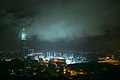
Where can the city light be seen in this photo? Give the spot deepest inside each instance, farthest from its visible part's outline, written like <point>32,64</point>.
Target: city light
<point>58,57</point>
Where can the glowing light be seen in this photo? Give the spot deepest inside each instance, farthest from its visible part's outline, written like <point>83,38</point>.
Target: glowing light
<point>23,37</point>
<point>58,57</point>
<point>8,59</point>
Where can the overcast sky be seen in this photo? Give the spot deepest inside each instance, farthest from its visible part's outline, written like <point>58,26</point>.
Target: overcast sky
<point>63,24</point>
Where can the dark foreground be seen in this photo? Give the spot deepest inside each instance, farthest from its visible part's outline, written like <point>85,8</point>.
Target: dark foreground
<point>21,70</point>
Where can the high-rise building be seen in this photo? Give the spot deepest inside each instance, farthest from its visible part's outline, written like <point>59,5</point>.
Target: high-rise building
<point>24,48</point>
<point>23,35</point>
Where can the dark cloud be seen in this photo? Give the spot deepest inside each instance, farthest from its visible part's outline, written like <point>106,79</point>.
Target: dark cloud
<point>62,23</point>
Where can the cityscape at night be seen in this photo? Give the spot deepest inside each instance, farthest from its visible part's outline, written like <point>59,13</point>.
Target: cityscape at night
<point>59,40</point>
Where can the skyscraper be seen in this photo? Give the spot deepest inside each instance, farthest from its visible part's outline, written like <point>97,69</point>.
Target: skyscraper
<point>23,35</point>
<point>24,48</point>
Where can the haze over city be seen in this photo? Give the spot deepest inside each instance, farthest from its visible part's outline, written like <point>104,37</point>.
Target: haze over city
<point>65,24</point>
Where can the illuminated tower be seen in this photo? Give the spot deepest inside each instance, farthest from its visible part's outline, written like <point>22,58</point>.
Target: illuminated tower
<point>23,35</point>
<point>23,40</point>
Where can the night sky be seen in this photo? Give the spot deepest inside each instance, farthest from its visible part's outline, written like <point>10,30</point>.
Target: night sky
<point>61,24</point>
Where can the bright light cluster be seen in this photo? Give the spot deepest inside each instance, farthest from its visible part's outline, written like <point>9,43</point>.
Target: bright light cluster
<point>69,58</point>
<point>23,37</point>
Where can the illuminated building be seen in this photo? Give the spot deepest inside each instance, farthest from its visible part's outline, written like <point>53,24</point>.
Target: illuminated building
<point>23,35</point>
<point>57,57</point>
<point>23,40</point>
